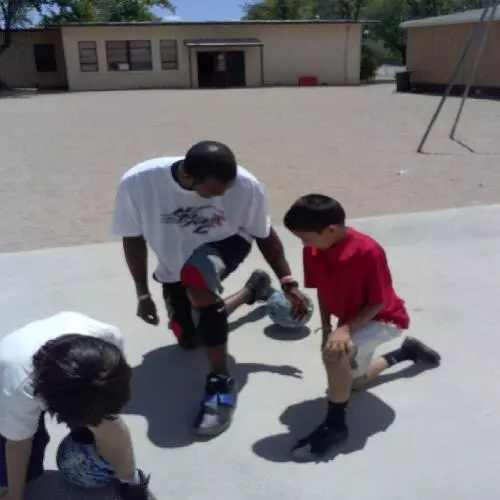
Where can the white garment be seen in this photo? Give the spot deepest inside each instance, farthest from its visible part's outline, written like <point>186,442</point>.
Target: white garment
<point>175,221</point>
<point>20,410</point>
<point>367,340</point>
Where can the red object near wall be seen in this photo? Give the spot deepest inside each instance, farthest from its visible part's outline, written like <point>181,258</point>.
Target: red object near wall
<point>308,81</point>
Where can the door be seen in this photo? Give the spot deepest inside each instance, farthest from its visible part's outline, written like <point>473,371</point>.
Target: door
<point>221,69</point>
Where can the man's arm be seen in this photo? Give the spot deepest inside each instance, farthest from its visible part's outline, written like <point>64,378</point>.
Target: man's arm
<point>136,255</point>
<point>274,253</point>
<point>17,454</point>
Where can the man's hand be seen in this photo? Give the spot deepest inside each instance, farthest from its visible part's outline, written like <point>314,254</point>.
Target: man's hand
<point>339,344</point>
<point>300,305</point>
<point>146,310</point>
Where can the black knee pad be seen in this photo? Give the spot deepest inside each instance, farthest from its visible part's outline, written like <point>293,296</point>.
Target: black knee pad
<point>212,324</point>
<point>179,310</point>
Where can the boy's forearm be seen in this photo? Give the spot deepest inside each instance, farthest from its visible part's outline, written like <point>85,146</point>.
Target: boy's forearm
<point>136,255</point>
<point>366,315</point>
<point>114,444</point>
<point>17,454</point>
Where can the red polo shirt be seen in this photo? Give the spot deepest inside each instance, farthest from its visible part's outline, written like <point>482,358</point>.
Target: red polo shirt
<point>352,275</point>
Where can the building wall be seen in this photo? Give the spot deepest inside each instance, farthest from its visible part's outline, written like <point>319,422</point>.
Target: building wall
<point>331,52</point>
<point>17,64</point>
<point>434,51</point>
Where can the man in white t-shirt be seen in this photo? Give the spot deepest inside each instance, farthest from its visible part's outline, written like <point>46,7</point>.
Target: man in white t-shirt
<point>200,214</point>
<point>71,367</point>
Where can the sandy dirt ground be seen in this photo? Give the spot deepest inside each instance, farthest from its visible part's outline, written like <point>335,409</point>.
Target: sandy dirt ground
<point>61,155</point>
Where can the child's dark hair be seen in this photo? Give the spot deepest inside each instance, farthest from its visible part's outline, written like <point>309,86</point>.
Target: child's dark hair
<point>83,380</point>
<point>314,212</point>
<point>210,159</point>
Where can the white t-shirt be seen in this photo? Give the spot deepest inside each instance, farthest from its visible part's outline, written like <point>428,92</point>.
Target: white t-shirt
<point>175,221</point>
<point>20,410</point>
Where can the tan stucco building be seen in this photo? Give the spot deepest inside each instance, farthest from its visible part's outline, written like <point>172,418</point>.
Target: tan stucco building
<point>435,45</point>
<point>185,55</point>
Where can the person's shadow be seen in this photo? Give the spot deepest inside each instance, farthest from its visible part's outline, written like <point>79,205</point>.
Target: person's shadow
<point>367,415</point>
<point>53,486</point>
<point>167,388</point>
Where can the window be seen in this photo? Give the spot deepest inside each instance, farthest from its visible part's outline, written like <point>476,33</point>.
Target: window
<point>169,56</point>
<point>88,56</point>
<point>134,55</point>
<point>45,57</point>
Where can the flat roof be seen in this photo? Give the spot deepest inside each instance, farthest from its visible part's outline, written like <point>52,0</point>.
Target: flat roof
<point>468,16</point>
<point>211,23</point>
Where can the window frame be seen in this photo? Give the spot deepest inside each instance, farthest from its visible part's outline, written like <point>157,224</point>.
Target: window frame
<point>128,55</point>
<point>41,64</point>
<point>94,50</point>
<point>169,65</point>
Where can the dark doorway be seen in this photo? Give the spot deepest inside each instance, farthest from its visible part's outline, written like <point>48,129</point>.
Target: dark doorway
<point>221,69</point>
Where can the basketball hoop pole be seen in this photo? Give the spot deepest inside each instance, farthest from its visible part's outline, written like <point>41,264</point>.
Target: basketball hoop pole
<point>477,60</point>
<point>453,78</point>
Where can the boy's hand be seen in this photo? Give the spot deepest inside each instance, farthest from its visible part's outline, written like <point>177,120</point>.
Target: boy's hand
<point>339,344</point>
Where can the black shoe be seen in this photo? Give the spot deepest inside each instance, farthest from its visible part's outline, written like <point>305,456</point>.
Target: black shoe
<point>125,491</point>
<point>259,285</point>
<point>418,352</point>
<point>318,443</point>
<point>217,407</point>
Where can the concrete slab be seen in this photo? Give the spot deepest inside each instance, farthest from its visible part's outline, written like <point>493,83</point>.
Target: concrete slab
<point>429,436</point>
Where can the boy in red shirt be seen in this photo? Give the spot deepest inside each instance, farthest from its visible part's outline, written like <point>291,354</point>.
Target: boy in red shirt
<point>353,280</point>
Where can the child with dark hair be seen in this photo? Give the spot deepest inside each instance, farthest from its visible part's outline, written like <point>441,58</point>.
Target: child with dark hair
<point>354,283</point>
<point>71,367</point>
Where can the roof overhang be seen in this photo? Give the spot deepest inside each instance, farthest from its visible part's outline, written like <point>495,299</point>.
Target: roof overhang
<point>468,16</point>
<point>223,42</point>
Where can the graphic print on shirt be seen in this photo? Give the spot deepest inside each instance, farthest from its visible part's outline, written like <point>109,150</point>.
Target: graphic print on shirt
<point>201,219</point>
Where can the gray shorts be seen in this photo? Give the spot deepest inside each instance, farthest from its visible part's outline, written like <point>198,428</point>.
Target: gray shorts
<point>211,263</point>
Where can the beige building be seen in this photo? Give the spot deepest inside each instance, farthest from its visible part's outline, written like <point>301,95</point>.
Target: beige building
<point>35,59</point>
<point>186,55</point>
<point>435,45</point>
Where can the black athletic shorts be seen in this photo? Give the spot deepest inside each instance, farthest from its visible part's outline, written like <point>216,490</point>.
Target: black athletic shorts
<point>207,268</point>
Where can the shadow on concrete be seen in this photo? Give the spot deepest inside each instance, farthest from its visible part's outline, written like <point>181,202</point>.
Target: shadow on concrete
<point>408,372</point>
<point>276,332</point>
<point>368,415</point>
<point>52,486</point>
<point>168,386</point>
<point>254,315</point>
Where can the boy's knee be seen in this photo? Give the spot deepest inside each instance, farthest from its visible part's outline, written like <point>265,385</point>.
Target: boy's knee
<point>335,364</point>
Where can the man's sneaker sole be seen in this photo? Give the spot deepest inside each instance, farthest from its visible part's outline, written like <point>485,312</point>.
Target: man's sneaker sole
<point>423,352</point>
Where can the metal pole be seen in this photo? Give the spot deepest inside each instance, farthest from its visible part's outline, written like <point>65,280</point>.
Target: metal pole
<point>472,76</point>
<point>478,26</point>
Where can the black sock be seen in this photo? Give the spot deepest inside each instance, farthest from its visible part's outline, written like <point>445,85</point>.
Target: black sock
<point>212,325</point>
<point>335,418</point>
<point>397,356</point>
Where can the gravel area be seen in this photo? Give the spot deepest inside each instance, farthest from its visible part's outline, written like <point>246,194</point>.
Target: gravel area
<point>61,155</point>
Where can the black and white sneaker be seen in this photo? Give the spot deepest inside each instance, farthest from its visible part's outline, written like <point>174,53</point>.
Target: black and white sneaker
<point>217,406</point>
<point>140,491</point>
<point>418,352</point>
<point>318,443</point>
<point>259,285</point>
